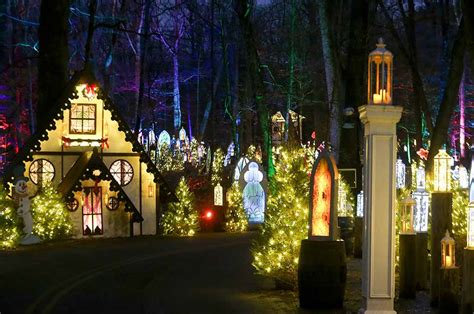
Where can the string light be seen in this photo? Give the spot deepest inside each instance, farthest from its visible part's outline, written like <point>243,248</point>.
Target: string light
<point>9,221</point>
<point>181,218</point>
<point>235,216</point>
<point>277,249</point>
<point>51,219</point>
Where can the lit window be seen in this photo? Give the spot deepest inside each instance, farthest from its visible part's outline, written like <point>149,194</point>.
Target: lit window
<point>41,170</point>
<point>82,119</point>
<point>92,211</point>
<point>122,171</point>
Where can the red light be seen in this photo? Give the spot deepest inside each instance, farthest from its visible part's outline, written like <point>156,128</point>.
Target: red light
<point>208,215</point>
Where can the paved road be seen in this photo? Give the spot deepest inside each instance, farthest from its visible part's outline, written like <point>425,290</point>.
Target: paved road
<point>210,273</point>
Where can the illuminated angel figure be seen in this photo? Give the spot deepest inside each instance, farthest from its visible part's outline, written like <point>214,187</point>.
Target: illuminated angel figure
<point>253,194</point>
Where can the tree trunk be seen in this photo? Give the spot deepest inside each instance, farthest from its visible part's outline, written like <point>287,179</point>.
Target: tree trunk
<point>468,11</point>
<point>448,103</point>
<point>244,10</point>
<point>53,54</point>
<point>334,84</point>
<point>141,68</point>
<point>176,94</point>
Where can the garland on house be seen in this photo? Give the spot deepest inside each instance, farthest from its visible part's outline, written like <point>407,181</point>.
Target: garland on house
<point>9,221</point>
<point>235,216</point>
<point>181,218</point>
<point>51,219</point>
<point>276,250</point>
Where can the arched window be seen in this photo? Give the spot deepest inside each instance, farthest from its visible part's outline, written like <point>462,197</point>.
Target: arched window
<point>122,171</point>
<point>41,170</point>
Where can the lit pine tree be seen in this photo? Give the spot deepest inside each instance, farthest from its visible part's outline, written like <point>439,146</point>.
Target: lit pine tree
<point>51,219</point>
<point>217,167</point>
<point>235,216</point>
<point>277,248</point>
<point>181,218</point>
<point>9,221</point>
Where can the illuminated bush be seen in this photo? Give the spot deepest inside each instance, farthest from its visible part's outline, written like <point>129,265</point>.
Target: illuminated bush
<point>277,248</point>
<point>9,221</point>
<point>51,219</point>
<point>235,216</point>
<point>181,218</point>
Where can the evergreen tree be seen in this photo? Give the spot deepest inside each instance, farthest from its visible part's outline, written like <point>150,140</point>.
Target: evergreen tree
<point>217,167</point>
<point>181,218</point>
<point>50,217</point>
<point>235,216</point>
<point>9,221</point>
<point>276,251</point>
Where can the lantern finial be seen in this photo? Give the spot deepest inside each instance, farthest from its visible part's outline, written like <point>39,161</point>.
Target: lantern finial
<point>380,43</point>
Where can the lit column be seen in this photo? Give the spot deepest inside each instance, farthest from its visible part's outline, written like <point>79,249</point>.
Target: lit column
<point>379,118</point>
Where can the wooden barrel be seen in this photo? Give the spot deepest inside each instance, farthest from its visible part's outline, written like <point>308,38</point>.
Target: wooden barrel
<point>322,273</point>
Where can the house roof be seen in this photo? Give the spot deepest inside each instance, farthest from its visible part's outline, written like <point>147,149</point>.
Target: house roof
<point>86,168</point>
<point>57,112</point>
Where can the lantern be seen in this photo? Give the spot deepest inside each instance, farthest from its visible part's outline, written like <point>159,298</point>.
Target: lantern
<point>407,214</point>
<point>448,258</point>
<point>463,177</point>
<point>218,195</point>
<point>470,226</point>
<point>420,178</point>
<point>422,208</point>
<point>400,172</point>
<point>442,172</point>
<point>150,189</point>
<point>360,204</point>
<point>380,75</point>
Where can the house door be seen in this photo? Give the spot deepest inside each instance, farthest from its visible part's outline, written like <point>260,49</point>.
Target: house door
<point>92,211</point>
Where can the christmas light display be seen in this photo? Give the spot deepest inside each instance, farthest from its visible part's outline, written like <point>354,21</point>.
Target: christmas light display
<point>9,221</point>
<point>276,250</point>
<point>181,218</point>
<point>400,170</point>
<point>51,219</point>
<point>470,226</point>
<point>217,167</point>
<point>442,172</point>
<point>218,195</point>
<point>360,204</point>
<point>420,178</point>
<point>235,216</point>
<point>421,210</point>
<point>345,202</point>
<point>463,177</point>
<point>407,214</point>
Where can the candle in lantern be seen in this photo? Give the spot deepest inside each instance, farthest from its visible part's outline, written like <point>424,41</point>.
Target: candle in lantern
<point>377,99</point>
<point>449,261</point>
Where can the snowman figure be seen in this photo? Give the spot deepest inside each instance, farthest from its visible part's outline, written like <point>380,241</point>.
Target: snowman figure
<point>24,207</point>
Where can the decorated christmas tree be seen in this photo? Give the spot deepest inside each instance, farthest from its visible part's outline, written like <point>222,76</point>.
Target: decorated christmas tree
<point>50,217</point>
<point>235,216</point>
<point>181,218</point>
<point>9,221</point>
<point>277,248</point>
<point>217,167</point>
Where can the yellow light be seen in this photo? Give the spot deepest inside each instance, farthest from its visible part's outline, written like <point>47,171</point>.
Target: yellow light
<point>442,172</point>
<point>448,257</point>
<point>380,75</point>
<point>150,189</point>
